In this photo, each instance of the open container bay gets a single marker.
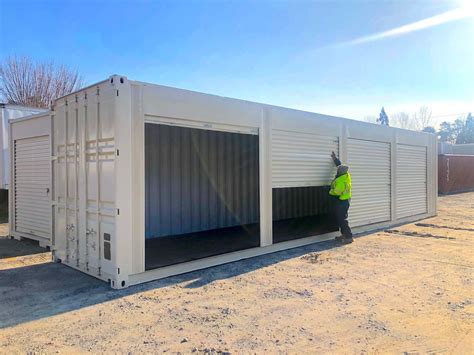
(150, 181)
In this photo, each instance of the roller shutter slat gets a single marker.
(302, 159)
(369, 165)
(31, 170)
(411, 196)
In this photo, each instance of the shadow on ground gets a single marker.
(10, 248)
(38, 291)
(3, 206)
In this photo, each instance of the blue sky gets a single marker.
(289, 53)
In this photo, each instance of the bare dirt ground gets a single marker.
(409, 290)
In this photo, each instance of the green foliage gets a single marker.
(429, 129)
(466, 135)
(459, 132)
(445, 132)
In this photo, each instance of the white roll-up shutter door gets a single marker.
(302, 159)
(369, 165)
(32, 205)
(411, 181)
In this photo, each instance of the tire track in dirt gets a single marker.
(416, 234)
(443, 227)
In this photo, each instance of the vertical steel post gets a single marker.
(97, 130)
(66, 174)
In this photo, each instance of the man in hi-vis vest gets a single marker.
(341, 191)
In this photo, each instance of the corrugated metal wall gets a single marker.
(302, 159)
(369, 165)
(455, 173)
(199, 180)
(411, 181)
(298, 202)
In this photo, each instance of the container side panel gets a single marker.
(84, 145)
(59, 144)
(369, 165)
(411, 178)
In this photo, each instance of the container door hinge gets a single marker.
(117, 93)
(118, 152)
(118, 211)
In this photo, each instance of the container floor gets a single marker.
(175, 249)
(302, 227)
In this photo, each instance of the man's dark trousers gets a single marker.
(342, 208)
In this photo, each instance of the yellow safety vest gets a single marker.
(342, 187)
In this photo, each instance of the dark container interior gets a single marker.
(300, 212)
(201, 193)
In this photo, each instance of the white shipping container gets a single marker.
(10, 112)
(30, 209)
(151, 181)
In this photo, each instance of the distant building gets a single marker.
(455, 167)
(458, 149)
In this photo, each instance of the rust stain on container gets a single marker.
(455, 173)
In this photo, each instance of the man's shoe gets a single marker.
(347, 240)
(339, 239)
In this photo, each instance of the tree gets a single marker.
(402, 120)
(458, 126)
(383, 118)
(466, 135)
(445, 132)
(416, 122)
(459, 131)
(28, 83)
(429, 129)
(422, 118)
